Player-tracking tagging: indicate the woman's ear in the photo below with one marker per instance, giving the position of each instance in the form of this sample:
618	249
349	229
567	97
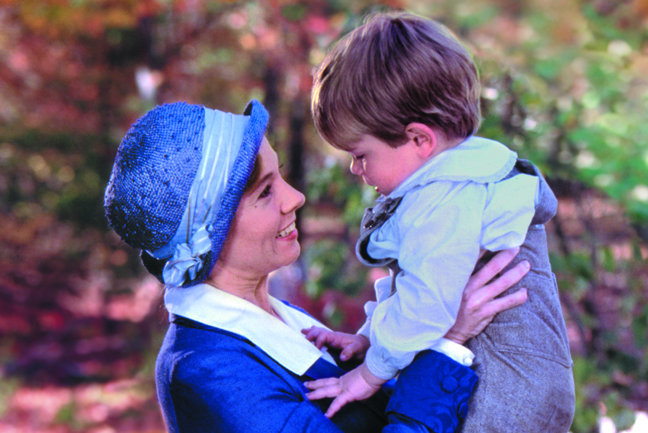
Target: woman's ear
424	137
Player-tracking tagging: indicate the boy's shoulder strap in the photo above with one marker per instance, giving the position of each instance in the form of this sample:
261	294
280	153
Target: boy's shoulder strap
547	203
372	220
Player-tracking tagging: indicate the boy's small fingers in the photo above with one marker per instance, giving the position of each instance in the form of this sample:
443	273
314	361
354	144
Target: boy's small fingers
320	340
319	383
309	333
324	392
347	352
336	405
317	394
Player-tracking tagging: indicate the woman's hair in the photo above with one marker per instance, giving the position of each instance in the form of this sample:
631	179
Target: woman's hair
395	69
254	176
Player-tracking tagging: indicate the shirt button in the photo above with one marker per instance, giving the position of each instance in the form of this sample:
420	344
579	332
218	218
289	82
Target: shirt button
449	384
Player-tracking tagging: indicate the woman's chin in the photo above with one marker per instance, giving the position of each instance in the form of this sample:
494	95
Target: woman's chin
291	254
286	249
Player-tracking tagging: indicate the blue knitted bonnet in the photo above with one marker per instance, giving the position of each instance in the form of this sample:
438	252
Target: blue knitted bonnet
177	180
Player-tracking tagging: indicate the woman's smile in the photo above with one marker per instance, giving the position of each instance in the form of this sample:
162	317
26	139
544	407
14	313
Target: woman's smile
264	236
288	231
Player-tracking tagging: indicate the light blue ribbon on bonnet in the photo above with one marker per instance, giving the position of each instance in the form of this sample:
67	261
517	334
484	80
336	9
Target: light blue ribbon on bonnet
222	139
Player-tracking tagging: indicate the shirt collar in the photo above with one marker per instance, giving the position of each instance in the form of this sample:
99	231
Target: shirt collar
477	159
282	341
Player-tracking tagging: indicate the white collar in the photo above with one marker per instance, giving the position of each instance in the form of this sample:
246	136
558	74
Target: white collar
282	341
477	159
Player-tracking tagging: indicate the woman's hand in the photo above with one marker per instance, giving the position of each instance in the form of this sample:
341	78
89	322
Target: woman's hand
358	384
352	345
479	303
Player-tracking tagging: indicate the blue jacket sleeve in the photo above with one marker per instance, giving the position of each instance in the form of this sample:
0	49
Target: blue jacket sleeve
432	391
231	391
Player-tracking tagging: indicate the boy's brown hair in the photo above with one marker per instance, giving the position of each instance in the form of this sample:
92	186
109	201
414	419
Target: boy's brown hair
395	69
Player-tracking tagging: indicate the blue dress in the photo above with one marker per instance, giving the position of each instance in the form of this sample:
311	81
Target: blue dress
212	380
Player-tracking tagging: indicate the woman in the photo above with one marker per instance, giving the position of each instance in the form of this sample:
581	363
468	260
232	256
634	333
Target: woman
199	192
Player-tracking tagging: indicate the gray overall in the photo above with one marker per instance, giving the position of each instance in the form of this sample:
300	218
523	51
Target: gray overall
522	358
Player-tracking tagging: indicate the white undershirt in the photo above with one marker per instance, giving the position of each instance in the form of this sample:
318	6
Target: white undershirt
281	340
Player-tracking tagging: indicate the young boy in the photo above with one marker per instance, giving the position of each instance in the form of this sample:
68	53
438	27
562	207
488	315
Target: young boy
401	95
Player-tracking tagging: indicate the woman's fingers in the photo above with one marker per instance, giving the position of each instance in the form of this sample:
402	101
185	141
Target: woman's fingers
504	303
484	301
508	279
493	267
480	302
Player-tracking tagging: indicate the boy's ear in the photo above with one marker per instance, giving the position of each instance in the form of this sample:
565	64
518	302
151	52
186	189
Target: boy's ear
424	137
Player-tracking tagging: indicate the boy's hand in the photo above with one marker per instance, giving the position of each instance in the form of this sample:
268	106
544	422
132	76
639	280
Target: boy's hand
358	384
350	344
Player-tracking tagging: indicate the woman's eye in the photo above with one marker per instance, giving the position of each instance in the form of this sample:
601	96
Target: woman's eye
266	191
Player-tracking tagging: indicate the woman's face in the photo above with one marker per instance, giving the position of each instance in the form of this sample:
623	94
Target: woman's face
263	236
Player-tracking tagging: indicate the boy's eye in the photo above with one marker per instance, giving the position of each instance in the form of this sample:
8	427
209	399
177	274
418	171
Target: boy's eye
266	191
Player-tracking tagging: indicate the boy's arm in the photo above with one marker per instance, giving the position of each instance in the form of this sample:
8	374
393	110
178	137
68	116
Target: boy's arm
430	395
432	392
437	245
440	229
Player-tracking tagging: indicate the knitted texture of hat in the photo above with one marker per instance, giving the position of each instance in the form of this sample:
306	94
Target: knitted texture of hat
154	168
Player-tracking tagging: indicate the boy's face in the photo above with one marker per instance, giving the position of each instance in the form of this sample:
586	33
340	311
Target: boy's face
382	166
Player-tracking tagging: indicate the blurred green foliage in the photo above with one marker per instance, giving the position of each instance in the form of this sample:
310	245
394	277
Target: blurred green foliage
56	173
331	262
564	84
334	184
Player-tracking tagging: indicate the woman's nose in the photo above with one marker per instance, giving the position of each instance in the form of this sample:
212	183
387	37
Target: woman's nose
293	199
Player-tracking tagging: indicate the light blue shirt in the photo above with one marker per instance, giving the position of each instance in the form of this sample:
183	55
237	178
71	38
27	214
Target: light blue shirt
453	207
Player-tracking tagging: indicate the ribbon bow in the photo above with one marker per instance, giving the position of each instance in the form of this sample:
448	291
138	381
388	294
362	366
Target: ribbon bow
187	259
